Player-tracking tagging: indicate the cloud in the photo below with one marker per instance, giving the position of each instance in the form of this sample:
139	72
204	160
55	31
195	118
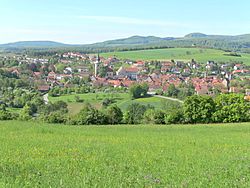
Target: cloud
133	21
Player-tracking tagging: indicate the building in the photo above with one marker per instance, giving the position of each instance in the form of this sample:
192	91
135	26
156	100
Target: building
97	62
130	72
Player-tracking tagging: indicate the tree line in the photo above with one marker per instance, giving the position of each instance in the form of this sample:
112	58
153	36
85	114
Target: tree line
225	108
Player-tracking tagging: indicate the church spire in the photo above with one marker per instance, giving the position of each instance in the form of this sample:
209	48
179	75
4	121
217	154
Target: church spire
98	58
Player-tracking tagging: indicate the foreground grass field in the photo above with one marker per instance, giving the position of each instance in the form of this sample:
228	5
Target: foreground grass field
40	155
122	100
200	55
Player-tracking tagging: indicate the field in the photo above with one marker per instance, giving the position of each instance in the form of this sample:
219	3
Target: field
122	100
40	155
200	55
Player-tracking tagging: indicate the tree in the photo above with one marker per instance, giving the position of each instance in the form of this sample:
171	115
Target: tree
231	108
199	109
78	99
115	115
174	117
55	117
134	113
4	114
106	102
59	106
153	116
172	91
138	90
26	113
91	116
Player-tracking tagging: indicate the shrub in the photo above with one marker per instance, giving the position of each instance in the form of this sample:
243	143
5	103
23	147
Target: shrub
174	117
115	115
154	116
199	109
5	115
106	102
78	99
134	113
91	116
55	117
231	108
138	90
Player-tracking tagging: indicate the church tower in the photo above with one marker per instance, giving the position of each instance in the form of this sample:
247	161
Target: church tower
96	65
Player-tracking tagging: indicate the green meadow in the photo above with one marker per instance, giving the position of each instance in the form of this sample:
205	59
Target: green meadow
122	100
41	155
199	54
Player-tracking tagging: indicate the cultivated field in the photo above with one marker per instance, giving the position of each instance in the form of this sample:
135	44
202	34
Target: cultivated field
122	100
200	55
40	155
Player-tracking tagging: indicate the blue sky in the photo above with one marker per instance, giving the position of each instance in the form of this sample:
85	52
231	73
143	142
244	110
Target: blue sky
88	21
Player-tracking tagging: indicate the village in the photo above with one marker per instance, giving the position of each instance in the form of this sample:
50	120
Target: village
207	79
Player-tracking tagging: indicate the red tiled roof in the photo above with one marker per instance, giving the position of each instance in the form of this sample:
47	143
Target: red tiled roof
131	69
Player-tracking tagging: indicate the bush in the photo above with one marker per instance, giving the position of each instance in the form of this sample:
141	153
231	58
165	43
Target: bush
55	117
174	117
231	108
91	116
138	90
134	113
154	116
115	115
78	99
199	109
5	115
106	102
26	113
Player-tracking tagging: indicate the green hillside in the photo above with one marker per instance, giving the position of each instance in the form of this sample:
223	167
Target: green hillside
40	155
199	54
240	43
122	100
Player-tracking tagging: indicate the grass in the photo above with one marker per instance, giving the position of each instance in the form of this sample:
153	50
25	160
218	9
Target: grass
122	100
41	155
186	54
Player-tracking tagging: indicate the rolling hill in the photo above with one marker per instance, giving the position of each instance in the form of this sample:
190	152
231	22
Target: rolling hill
34	44
186	54
225	42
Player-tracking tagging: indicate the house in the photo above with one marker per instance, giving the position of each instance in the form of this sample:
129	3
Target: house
127	83
202	90
37	75
16	72
82	69
139	64
243	71
210	64
164	69
68	70
238	66
130	72
109	72
115	83
43	88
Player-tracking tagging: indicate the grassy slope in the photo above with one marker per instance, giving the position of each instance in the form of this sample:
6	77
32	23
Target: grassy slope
122	100
200	55
34	154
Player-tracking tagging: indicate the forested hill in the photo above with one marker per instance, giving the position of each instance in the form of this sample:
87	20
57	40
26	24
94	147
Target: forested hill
193	39
34	44
233	43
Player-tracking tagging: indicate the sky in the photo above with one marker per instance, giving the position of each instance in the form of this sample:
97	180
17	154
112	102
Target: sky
89	21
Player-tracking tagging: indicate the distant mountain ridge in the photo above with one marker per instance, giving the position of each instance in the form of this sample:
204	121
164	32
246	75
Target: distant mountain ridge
34	44
225	42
